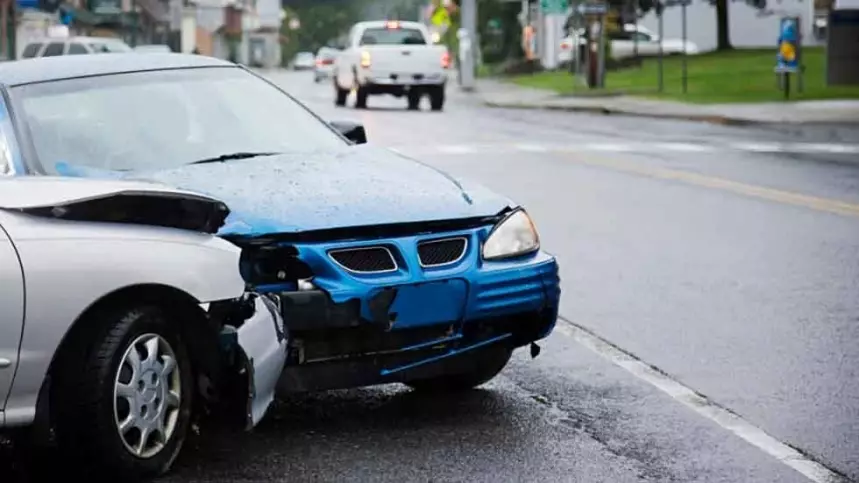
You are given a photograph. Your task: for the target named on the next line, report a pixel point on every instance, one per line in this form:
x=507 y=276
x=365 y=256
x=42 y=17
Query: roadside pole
x=660 y=12
x=683 y=4
x=467 y=43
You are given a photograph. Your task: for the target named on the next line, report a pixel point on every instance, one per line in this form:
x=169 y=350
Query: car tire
x=361 y=98
x=485 y=365
x=340 y=95
x=437 y=98
x=414 y=100
x=104 y=407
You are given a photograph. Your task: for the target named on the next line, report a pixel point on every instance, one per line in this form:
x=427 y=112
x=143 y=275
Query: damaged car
x=123 y=315
x=383 y=269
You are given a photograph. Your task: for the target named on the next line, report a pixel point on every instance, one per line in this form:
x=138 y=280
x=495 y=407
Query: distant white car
x=324 y=63
x=623 y=44
x=77 y=45
x=153 y=48
x=303 y=61
x=395 y=58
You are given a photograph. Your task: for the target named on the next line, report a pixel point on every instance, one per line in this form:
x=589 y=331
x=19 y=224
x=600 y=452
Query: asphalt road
x=717 y=267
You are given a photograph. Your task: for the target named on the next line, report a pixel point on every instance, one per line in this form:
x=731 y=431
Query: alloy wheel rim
x=147 y=396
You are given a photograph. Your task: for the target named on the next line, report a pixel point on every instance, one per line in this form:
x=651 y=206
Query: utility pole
x=468 y=43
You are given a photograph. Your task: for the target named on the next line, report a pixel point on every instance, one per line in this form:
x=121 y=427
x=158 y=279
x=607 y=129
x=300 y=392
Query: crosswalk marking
x=685 y=147
x=533 y=148
x=653 y=147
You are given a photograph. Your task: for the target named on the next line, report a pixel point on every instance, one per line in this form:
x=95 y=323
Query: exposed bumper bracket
x=452 y=352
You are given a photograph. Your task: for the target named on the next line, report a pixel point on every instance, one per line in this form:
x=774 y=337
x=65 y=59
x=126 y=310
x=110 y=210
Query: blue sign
x=787 y=58
x=67 y=17
x=27 y=3
x=592 y=8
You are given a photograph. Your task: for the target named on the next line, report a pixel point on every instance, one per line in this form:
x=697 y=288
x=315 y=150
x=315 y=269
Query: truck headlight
x=513 y=236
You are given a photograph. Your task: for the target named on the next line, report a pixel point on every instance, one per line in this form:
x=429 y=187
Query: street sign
x=677 y=3
x=787 y=58
x=592 y=8
x=549 y=7
x=440 y=17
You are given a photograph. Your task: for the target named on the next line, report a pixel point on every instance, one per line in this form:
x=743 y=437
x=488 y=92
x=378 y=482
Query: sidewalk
x=495 y=93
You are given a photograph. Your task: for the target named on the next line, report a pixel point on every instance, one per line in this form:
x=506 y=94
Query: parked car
x=50 y=47
x=383 y=269
x=625 y=44
x=324 y=63
x=122 y=312
x=395 y=58
x=153 y=48
x=303 y=61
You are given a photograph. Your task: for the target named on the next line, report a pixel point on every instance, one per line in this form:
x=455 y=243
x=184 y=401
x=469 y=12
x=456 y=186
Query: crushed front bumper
x=354 y=331
x=257 y=339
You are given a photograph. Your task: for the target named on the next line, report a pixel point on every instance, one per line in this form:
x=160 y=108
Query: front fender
x=70 y=265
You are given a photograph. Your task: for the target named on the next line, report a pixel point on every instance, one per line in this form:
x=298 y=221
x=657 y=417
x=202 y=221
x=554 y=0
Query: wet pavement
x=727 y=258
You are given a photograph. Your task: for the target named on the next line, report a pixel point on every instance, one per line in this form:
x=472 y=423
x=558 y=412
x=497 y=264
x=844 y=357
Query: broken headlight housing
x=513 y=236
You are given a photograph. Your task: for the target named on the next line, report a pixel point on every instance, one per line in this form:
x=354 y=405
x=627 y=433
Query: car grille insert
x=365 y=260
x=446 y=251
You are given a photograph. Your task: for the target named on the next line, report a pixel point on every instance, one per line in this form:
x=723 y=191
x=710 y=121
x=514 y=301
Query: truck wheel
x=414 y=99
x=340 y=95
x=483 y=368
x=123 y=403
x=361 y=98
x=437 y=98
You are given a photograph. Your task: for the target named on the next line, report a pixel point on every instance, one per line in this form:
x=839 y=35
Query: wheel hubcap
x=147 y=395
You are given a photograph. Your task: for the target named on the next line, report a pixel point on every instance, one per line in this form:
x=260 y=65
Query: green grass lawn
x=736 y=76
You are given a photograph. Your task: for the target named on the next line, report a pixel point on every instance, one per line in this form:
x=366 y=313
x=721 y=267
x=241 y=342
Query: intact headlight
x=514 y=235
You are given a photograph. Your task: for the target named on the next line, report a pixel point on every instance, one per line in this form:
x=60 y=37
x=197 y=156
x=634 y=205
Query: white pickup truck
x=391 y=57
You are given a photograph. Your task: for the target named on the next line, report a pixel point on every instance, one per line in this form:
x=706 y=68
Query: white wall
x=269 y=13
x=747 y=29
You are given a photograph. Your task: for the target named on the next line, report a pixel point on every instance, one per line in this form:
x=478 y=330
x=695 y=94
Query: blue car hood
x=358 y=186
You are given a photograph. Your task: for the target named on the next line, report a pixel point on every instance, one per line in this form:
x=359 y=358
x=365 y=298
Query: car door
x=11 y=313
x=54 y=49
x=647 y=44
x=11 y=276
x=621 y=44
x=77 y=48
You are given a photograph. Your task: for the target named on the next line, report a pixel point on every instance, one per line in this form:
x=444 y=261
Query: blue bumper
x=467 y=290
x=355 y=329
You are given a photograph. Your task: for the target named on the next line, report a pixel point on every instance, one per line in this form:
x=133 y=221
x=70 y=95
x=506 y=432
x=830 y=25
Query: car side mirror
x=352 y=131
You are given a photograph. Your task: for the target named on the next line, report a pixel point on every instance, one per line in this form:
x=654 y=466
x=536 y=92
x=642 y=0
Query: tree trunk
x=723 y=27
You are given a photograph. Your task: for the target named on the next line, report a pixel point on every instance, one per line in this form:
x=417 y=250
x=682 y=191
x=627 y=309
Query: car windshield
x=164 y=119
x=152 y=48
x=392 y=36
x=109 y=46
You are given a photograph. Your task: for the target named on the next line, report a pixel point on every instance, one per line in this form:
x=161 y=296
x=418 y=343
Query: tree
x=321 y=22
x=723 y=32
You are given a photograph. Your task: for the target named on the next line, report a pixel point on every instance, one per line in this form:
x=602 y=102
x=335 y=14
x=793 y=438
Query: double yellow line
x=770 y=194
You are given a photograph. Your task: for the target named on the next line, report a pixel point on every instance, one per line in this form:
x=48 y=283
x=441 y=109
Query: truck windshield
x=393 y=36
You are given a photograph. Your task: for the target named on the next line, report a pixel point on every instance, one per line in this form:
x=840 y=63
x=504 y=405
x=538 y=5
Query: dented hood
x=117 y=201
x=359 y=186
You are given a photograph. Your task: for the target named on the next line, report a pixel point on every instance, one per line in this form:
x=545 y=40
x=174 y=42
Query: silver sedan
x=120 y=315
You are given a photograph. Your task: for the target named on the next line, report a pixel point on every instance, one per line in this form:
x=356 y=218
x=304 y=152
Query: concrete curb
x=706 y=118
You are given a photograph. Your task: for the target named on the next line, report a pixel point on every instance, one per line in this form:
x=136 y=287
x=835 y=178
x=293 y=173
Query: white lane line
x=684 y=147
x=699 y=403
x=758 y=147
x=607 y=147
x=532 y=148
x=823 y=148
